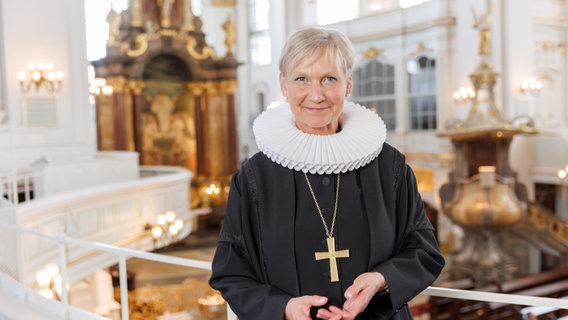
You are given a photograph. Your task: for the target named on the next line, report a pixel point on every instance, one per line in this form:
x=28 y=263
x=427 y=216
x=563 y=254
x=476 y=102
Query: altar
x=166 y=94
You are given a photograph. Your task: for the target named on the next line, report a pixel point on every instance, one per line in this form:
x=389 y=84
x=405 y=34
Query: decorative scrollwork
x=206 y=52
x=141 y=45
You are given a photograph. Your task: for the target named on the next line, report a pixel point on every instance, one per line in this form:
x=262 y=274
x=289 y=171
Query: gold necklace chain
x=328 y=232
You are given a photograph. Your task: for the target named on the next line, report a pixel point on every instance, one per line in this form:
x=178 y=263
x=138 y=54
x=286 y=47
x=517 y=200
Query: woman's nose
x=316 y=92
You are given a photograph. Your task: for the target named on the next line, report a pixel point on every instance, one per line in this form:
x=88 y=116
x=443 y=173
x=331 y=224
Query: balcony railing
x=63 y=242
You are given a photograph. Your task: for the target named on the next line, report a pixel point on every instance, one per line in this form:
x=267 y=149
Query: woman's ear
x=283 y=88
x=349 y=86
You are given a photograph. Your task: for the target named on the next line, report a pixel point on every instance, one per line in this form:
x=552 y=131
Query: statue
x=483 y=23
x=230 y=35
x=113 y=19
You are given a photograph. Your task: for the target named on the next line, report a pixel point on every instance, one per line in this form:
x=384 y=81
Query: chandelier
x=40 y=75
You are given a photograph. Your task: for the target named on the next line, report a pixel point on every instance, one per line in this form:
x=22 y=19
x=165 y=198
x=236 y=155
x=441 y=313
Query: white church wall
x=2 y=82
x=534 y=46
x=35 y=30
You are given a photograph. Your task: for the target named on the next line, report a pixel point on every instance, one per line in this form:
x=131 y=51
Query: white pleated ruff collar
x=359 y=142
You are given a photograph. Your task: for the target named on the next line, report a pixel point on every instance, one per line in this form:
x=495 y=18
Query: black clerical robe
x=255 y=262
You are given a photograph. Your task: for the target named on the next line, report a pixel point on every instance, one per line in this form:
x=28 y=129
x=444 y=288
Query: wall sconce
x=100 y=87
x=463 y=94
x=167 y=226
x=530 y=85
x=375 y=6
x=563 y=174
x=39 y=75
x=49 y=282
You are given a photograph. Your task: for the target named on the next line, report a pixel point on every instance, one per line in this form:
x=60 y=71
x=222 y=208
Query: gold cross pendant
x=332 y=255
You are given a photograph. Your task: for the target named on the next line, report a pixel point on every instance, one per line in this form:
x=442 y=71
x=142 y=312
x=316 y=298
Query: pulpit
x=483 y=195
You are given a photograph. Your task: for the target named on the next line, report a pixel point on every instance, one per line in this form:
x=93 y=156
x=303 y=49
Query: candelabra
x=41 y=75
x=212 y=190
x=530 y=85
x=167 y=227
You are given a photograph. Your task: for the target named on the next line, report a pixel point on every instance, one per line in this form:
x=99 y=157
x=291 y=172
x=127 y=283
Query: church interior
x=115 y=168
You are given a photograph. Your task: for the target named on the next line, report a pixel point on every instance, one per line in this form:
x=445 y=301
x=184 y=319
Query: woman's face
x=316 y=89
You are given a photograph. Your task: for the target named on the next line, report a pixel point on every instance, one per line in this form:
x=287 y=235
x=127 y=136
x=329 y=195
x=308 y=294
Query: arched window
x=422 y=93
x=373 y=87
x=259 y=36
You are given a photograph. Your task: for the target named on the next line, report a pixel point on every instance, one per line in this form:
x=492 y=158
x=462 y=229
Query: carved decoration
x=373 y=53
x=206 y=52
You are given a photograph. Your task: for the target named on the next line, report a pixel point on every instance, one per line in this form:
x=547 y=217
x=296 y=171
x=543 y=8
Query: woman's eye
x=329 y=80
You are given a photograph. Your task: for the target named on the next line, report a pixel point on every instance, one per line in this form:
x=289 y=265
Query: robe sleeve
x=417 y=261
x=237 y=269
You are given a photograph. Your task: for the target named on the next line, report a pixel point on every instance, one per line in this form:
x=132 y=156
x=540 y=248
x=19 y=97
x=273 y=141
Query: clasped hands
x=357 y=298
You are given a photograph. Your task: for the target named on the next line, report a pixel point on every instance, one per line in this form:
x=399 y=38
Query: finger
x=336 y=314
x=358 y=286
x=339 y=314
x=335 y=310
x=299 y=307
x=325 y=314
x=317 y=301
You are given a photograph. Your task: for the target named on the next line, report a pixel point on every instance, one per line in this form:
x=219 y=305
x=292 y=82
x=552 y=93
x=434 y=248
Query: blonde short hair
x=307 y=41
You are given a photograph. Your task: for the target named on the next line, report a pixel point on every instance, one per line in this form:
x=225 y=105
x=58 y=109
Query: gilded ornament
x=141 y=45
x=206 y=52
x=373 y=53
x=136 y=86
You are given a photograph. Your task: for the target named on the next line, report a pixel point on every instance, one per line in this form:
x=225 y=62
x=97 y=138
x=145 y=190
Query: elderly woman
x=326 y=222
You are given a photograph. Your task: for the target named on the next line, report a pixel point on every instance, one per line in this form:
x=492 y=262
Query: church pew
x=555 y=289
x=533 y=280
x=544 y=284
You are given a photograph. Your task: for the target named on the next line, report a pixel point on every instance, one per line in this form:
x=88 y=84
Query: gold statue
x=230 y=35
x=483 y=23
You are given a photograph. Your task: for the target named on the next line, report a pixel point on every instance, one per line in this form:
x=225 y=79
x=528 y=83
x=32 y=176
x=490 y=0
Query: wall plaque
x=40 y=112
